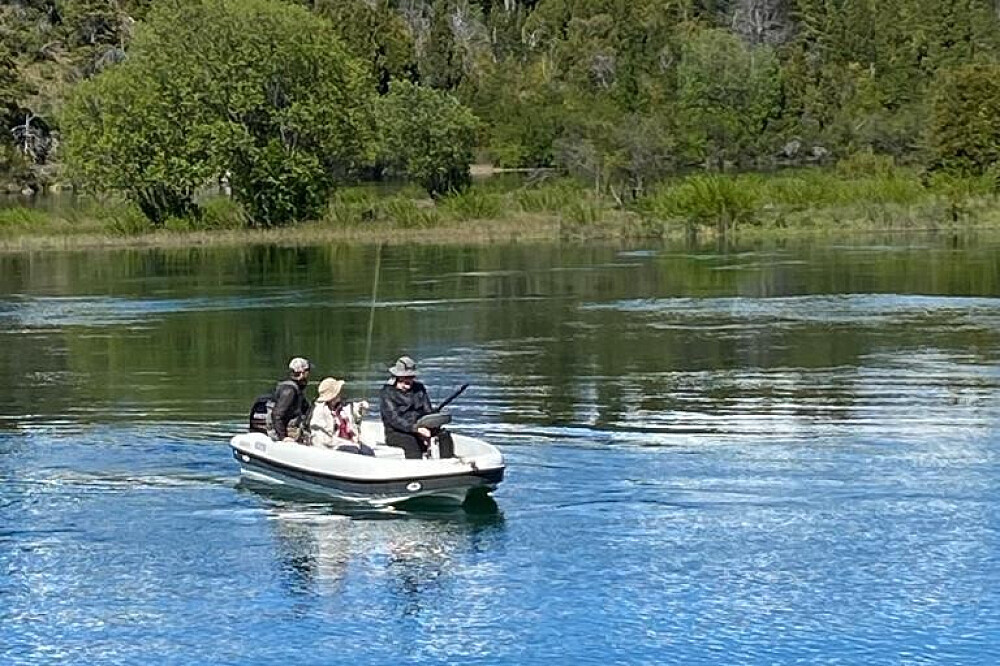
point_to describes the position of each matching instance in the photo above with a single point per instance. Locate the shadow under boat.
(479, 506)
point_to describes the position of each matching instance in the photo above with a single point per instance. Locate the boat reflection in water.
(326, 549)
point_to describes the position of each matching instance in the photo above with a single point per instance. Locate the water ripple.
(837, 309)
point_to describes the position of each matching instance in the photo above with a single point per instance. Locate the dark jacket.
(290, 405)
(401, 409)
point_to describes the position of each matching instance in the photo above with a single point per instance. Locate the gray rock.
(792, 148)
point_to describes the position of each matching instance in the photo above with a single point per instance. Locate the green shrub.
(866, 163)
(407, 214)
(127, 220)
(891, 189)
(583, 212)
(797, 192)
(547, 198)
(428, 136)
(351, 206)
(411, 191)
(22, 218)
(707, 199)
(13, 165)
(728, 94)
(353, 196)
(346, 214)
(278, 186)
(180, 224)
(473, 205)
(221, 213)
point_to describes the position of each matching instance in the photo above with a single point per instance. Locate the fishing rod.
(371, 316)
(451, 398)
(371, 328)
(435, 419)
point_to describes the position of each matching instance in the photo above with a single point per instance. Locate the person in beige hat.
(335, 424)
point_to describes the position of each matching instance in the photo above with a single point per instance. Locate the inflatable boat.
(383, 479)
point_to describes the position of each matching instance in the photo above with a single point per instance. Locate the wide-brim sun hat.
(405, 367)
(329, 389)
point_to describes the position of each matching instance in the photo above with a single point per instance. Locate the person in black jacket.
(402, 402)
(290, 402)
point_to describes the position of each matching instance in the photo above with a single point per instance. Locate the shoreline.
(546, 230)
(695, 210)
(310, 234)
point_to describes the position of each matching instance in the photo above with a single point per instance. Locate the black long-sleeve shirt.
(402, 409)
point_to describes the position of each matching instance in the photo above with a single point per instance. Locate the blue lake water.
(769, 455)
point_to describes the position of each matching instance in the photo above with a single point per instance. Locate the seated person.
(290, 403)
(403, 401)
(335, 423)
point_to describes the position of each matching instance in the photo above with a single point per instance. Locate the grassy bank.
(853, 197)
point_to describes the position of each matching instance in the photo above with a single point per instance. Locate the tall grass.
(20, 218)
(862, 192)
(547, 197)
(719, 200)
(806, 189)
(351, 206)
(126, 220)
(222, 213)
(407, 213)
(869, 189)
(473, 204)
(216, 214)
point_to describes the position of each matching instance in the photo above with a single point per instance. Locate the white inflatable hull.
(385, 479)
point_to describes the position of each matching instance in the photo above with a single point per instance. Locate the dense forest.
(619, 92)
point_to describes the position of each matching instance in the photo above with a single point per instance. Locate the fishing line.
(371, 316)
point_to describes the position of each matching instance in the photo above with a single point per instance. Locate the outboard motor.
(260, 414)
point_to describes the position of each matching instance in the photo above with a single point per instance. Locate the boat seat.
(383, 451)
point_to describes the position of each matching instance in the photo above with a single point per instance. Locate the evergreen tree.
(441, 64)
(964, 132)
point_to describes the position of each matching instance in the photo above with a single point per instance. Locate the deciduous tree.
(428, 136)
(259, 90)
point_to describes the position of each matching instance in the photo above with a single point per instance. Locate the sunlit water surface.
(770, 456)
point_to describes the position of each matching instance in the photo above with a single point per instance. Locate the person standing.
(290, 402)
